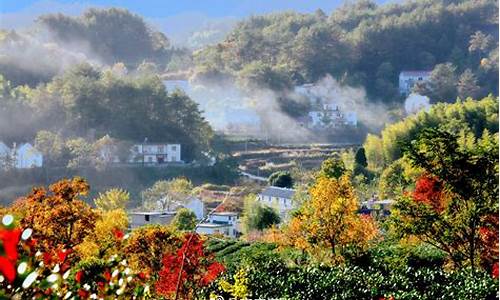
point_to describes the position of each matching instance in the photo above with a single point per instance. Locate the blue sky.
(162, 8)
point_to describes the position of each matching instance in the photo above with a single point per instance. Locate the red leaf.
(79, 276)
(8, 269)
(10, 239)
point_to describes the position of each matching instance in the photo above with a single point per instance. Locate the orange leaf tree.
(58, 217)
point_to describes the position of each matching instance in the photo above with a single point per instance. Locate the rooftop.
(415, 73)
(279, 192)
(225, 213)
(152, 213)
(212, 225)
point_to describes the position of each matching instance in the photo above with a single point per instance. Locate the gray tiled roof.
(279, 192)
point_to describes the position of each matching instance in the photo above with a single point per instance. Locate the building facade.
(278, 198)
(153, 154)
(408, 79)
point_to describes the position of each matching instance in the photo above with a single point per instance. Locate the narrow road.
(258, 178)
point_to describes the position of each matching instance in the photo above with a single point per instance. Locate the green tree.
(112, 199)
(167, 194)
(360, 157)
(454, 201)
(332, 168)
(257, 216)
(184, 219)
(467, 85)
(281, 179)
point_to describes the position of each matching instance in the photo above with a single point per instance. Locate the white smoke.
(415, 103)
(350, 99)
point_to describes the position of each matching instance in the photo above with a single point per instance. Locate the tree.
(360, 158)
(281, 179)
(107, 238)
(257, 216)
(112, 199)
(59, 218)
(480, 43)
(394, 180)
(332, 168)
(330, 219)
(442, 83)
(184, 219)
(51, 145)
(456, 196)
(165, 195)
(157, 239)
(467, 85)
(187, 270)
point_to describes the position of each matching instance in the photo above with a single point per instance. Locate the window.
(160, 149)
(419, 78)
(150, 159)
(146, 217)
(229, 218)
(174, 148)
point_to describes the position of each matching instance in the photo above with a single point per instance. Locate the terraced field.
(266, 160)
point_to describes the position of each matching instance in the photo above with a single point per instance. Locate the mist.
(415, 103)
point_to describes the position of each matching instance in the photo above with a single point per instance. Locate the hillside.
(360, 44)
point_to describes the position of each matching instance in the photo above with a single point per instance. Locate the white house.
(278, 198)
(155, 153)
(330, 116)
(26, 156)
(212, 228)
(138, 219)
(407, 79)
(226, 223)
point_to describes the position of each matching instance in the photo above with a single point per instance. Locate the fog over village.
(249, 149)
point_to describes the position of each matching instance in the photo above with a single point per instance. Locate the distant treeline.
(363, 44)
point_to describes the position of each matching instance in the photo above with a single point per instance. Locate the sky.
(177, 18)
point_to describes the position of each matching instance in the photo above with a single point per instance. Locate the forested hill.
(103, 37)
(362, 44)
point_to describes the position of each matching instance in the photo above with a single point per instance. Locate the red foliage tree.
(430, 191)
(187, 269)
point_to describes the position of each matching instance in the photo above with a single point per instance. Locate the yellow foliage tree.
(112, 199)
(330, 219)
(106, 240)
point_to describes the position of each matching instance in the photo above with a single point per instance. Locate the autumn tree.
(112, 199)
(330, 219)
(186, 270)
(107, 236)
(455, 199)
(58, 217)
(146, 245)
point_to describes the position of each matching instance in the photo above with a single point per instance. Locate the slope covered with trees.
(362, 44)
(90, 103)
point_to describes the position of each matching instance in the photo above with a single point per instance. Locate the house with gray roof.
(279, 198)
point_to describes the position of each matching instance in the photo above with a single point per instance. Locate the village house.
(141, 218)
(155, 153)
(330, 116)
(377, 208)
(26, 156)
(278, 198)
(225, 223)
(407, 79)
